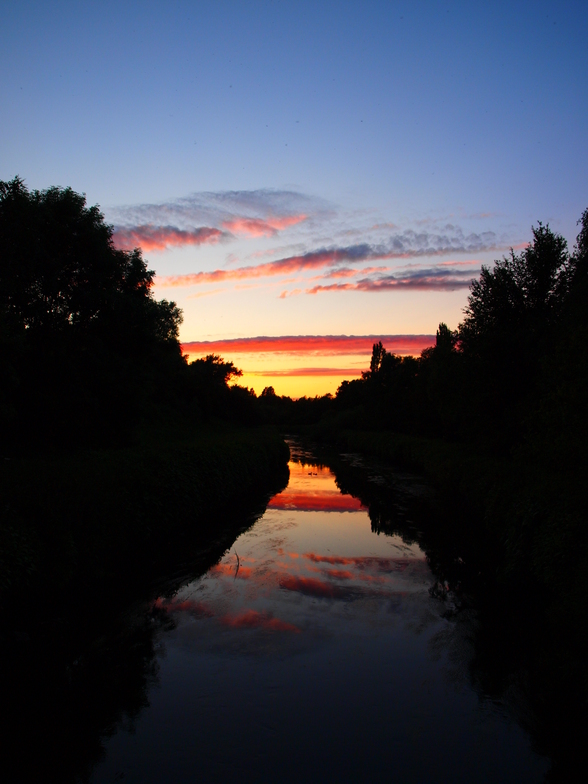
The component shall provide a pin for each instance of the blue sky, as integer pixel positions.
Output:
(410, 117)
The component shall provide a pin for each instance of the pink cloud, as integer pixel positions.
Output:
(255, 227)
(285, 266)
(156, 238)
(318, 345)
(419, 280)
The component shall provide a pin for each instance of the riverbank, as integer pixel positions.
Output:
(513, 533)
(97, 516)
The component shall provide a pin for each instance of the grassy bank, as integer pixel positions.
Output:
(451, 467)
(534, 516)
(523, 531)
(90, 516)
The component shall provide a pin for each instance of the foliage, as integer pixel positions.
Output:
(495, 412)
(99, 514)
(82, 339)
(481, 383)
(87, 354)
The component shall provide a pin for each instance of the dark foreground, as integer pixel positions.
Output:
(320, 640)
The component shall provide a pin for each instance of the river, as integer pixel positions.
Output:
(319, 647)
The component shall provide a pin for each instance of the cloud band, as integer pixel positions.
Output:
(317, 345)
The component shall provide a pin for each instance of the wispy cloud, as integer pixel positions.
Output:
(259, 213)
(267, 252)
(316, 345)
(287, 266)
(381, 226)
(434, 279)
(349, 272)
(214, 207)
(408, 245)
(157, 238)
(255, 227)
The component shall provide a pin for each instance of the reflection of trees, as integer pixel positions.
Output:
(80, 673)
(68, 695)
(509, 663)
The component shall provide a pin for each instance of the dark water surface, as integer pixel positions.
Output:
(317, 649)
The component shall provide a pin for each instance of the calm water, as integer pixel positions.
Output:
(314, 651)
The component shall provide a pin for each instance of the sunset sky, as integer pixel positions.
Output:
(304, 177)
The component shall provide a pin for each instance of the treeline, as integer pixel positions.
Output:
(514, 370)
(87, 355)
(111, 443)
(496, 414)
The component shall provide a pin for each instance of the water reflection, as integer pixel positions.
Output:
(315, 649)
(312, 488)
(78, 673)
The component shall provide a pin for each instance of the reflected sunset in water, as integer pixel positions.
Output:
(313, 634)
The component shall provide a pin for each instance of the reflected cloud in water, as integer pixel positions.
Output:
(326, 628)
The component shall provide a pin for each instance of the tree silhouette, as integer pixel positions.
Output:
(512, 312)
(84, 343)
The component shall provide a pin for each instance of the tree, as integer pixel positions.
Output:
(510, 319)
(60, 270)
(521, 293)
(440, 377)
(213, 369)
(84, 342)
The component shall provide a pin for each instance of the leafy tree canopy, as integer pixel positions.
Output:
(84, 346)
(521, 292)
(60, 270)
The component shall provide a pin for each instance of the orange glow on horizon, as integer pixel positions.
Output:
(287, 363)
(295, 386)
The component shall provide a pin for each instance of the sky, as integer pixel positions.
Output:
(305, 178)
